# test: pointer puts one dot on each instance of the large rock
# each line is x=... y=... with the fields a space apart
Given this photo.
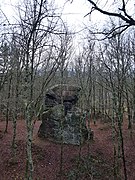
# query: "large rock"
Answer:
x=62 y=94
x=62 y=121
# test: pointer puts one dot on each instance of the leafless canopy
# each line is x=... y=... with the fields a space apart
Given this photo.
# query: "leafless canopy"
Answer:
x=121 y=13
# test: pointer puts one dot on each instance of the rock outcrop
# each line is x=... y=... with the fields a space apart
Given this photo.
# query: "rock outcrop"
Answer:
x=62 y=121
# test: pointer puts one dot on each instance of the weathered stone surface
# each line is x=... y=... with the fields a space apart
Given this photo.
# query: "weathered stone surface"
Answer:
x=62 y=94
x=62 y=121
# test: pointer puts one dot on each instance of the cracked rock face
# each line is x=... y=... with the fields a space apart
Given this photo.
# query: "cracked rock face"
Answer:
x=62 y=121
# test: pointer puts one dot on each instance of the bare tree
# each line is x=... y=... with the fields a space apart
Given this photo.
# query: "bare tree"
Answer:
x=6 y=77
x=37 y=22
x=64 y=54
x=121 y=11
x=117 y=65
x=84 y=67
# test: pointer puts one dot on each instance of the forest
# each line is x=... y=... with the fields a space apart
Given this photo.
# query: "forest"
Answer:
x=39 y=51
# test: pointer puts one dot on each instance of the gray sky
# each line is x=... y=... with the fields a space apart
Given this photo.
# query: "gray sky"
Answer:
x=73 y=12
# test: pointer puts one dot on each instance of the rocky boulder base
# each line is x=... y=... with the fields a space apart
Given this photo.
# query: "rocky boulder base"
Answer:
x=62 y=120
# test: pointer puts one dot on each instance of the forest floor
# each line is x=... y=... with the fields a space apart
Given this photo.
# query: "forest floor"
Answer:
x=46 y=155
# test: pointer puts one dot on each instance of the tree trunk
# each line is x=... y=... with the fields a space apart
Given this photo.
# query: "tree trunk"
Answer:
x=7 y=108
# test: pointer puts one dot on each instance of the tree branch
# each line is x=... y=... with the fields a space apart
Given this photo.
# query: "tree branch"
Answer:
x=128 y=19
